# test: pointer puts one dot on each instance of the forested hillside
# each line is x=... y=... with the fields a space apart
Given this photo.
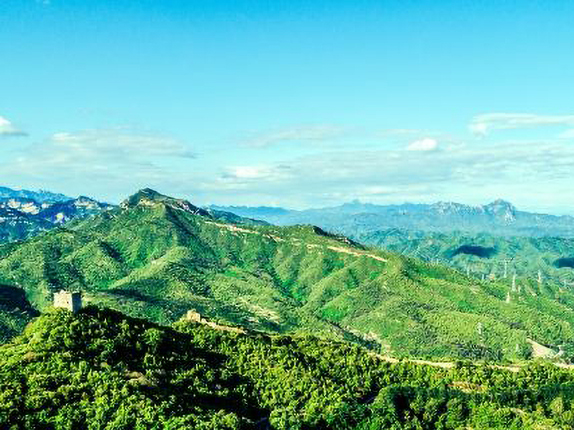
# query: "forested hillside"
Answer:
x=101 y=370
x=549 y=260
x=157 y=257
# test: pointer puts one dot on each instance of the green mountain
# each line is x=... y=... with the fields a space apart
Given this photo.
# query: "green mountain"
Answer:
x=99 y=369
x=157 y=257
x=544 y=259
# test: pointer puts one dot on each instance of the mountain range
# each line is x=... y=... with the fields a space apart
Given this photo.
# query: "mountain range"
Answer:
x=41 y=196
x=499 y=218
x=25 y=213
x=157 y=258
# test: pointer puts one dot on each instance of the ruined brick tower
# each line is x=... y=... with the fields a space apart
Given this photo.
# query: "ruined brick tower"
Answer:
x=68 y=300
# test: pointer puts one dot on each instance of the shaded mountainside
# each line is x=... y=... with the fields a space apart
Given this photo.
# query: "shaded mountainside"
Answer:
x=483 y=254
x=157 y=257
x=101 y=369
x=356 y=219
x=16 y=225
x=15 y=312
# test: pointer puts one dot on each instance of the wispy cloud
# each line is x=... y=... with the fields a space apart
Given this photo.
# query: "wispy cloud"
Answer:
x=426 y=144
x=481 y=125
x=115 y=144
x=8 y=129
x=312 y=133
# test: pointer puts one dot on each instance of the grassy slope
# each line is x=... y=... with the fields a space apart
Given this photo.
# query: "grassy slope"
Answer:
x=154 y=261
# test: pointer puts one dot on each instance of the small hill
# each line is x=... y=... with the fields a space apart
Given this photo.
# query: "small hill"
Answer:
x=156 y=257
x=102 y=369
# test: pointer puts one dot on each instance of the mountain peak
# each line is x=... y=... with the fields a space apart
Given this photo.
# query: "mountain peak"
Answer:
x=150 y=197
x=502 y=208
x=501 y=205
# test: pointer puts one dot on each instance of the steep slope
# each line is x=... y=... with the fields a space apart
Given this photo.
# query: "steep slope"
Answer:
x=355 y=219
x=157 y=257
x=100 y=369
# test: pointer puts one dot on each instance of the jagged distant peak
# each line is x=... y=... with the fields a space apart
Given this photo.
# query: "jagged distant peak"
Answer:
x=85 y=198
x=502 y=204
x=502 y=208
x=448 y=206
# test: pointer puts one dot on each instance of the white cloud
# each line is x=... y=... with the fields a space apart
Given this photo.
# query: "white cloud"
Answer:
x=481 y=125
x=426 y=144
x=8 y=129
x=314 y=133
x=247 y=172
x=115 y=144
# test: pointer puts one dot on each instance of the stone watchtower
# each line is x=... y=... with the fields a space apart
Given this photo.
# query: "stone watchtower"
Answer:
x=68 y=300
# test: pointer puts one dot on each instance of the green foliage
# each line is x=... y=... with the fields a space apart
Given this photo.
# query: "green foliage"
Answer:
x=483 y=254
x=99 y=369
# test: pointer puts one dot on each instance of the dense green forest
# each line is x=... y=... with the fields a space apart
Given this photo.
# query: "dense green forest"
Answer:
x=157 y=257
x=99 y=369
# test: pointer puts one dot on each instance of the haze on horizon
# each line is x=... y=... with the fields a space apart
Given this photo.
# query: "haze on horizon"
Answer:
x=290 y=103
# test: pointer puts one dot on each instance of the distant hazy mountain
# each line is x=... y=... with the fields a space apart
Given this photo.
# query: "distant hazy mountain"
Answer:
x=61 y=212
x=355 y=218
x=40 y=196
x=16 y=225
x=25 y=213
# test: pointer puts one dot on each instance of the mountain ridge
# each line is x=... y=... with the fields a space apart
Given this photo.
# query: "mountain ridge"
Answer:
x=159 y=261
x=498 y=217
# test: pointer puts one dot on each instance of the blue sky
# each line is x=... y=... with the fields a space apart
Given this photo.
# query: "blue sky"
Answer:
x=300 y=104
